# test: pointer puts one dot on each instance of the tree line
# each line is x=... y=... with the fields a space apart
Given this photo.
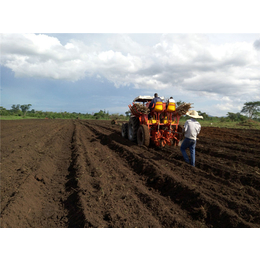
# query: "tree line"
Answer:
x=250 y=110
x=24 y=111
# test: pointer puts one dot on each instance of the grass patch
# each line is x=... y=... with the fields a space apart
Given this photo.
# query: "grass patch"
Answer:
x=248 y=124
x=239 y=125
x=15 y=117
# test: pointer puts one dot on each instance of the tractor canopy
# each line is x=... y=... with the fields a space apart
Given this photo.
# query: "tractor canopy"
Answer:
x=145 y=99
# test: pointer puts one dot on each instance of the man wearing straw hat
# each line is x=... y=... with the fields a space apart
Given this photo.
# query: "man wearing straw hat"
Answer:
x=191 y=129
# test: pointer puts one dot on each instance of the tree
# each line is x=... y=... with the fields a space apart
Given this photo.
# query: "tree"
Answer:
x=25 y=108
x=15 y=108
x=180 y=102
x=204 y=114
x=3 y=111
x=232 y=116
x=257 y=116
x=128 y=113
x=251 y=108
x=101 y=114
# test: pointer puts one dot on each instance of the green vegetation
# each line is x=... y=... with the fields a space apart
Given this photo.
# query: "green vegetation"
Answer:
x=25 y=108
x=232 y=120
x=14 y=117
x=252 y=109
x=226 y=123
x=247 y=124
x=23 y=112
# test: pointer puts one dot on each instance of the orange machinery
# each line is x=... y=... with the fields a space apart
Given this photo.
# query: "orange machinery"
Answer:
x=160 y=126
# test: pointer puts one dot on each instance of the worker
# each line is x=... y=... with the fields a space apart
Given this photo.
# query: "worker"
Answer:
x=170 y=100
x=153 y=102
x=191 y=129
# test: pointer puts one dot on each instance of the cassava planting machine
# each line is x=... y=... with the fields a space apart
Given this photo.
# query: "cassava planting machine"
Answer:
x=159 y=126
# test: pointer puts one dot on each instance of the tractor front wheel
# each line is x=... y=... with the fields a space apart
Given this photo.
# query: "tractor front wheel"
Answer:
x=143 y=135
x=133 y=125
x=124 y=130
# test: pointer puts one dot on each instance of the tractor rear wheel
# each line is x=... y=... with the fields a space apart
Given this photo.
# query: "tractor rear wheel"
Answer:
x=143 y=135
x=124 y=130
x=132 y=128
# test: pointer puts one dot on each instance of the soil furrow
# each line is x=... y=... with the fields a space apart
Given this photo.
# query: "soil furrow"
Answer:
x=38 y=184
x=155 y=176
x=107 y=169
x=80 y=173
x=76 y=217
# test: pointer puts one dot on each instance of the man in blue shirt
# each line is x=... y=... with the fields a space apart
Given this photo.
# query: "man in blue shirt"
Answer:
x=154 y=100
x=152 y=104
x=191 y=129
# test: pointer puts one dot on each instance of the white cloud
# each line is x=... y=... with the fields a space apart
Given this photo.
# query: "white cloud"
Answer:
x=185 y=63
x=257 y=44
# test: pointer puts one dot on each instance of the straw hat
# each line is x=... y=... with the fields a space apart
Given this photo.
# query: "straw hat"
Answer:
x=193 y=114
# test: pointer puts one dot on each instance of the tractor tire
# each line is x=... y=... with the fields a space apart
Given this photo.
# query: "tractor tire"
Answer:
x=124 y=130
x=133 y=125
x=143 y=135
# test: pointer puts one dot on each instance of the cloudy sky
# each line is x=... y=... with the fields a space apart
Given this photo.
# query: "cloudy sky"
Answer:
x=86 y=72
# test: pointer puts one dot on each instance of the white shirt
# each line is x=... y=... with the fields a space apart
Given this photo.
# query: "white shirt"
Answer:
x=171 y=100
x=192 y=128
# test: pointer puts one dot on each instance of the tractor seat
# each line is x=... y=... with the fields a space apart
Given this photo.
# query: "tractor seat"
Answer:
x=158 y=107
x=171 y=107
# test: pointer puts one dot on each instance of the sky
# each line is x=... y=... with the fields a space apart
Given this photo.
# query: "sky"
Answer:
x=91 y=71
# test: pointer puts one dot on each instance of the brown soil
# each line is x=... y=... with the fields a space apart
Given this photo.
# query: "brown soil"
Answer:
x=78 y=173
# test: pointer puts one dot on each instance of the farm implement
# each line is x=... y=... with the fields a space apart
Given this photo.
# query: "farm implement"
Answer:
x=159 y=126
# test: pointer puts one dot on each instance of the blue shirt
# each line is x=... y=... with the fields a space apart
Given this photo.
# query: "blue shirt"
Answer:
x=154 y=100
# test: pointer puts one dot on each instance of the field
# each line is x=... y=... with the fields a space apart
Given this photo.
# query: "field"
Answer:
x=82 y=173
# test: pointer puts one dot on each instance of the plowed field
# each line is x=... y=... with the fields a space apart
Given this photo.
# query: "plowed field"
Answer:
x=78 y=173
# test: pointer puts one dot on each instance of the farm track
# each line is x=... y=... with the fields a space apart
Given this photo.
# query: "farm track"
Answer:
x=78 y=173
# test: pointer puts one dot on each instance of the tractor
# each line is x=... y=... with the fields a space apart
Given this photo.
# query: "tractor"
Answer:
x=159 y=126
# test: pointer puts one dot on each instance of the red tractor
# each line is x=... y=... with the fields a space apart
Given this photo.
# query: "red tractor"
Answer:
x=160 y=125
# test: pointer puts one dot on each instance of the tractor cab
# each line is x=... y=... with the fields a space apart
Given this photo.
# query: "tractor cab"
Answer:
x=145 y=99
